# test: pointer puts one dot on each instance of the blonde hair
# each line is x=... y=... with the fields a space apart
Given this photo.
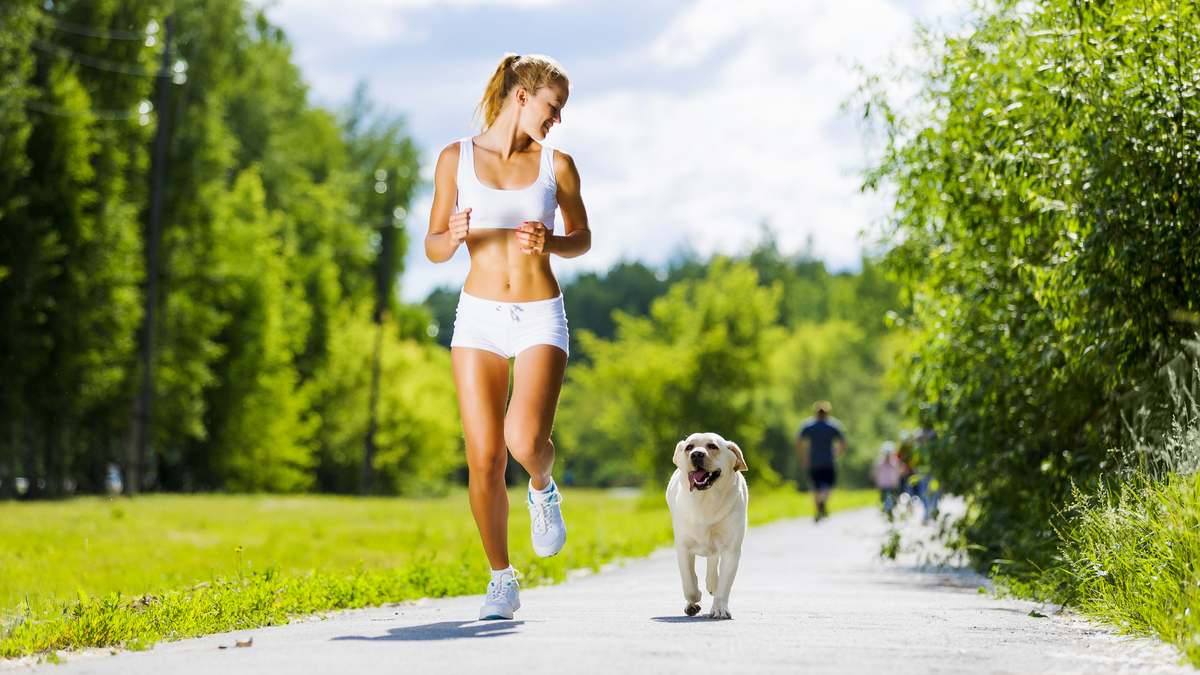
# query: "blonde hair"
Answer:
x=532 y=72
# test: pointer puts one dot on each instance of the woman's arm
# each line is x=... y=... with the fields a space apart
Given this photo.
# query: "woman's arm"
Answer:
x=576 y=238
x=447 y=230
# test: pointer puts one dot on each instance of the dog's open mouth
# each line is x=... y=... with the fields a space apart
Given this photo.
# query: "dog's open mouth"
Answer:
x=702 y=480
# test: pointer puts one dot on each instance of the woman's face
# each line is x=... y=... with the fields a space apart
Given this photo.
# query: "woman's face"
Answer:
x=543 y=110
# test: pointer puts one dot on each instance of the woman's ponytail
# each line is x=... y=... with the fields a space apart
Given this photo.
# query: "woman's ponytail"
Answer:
x=532 y=72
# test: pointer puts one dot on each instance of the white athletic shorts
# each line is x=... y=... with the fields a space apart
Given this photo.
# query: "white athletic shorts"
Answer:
x=508 y=328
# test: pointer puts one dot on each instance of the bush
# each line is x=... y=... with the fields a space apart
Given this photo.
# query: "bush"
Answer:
x=1045 y=220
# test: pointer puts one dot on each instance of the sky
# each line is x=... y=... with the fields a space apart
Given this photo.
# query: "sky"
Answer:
x=692 y=122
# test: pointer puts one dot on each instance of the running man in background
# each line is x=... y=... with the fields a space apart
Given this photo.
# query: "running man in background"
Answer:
x=815 y=441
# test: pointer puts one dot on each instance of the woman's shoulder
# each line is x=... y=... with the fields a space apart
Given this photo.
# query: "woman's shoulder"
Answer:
x=452 y=150
x=564 y=167
x=447 y=164
x=562 y=159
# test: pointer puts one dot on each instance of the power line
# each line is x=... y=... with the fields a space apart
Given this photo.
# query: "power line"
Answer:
x=94 y=61
x=51 y=109
x=91 y=31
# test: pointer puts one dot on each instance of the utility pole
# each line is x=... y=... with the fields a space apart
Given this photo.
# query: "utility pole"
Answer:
x=135 y=465
x=384 y=273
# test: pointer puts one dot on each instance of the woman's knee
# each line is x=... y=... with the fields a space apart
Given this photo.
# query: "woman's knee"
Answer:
x=525 y=444
x=488 y=468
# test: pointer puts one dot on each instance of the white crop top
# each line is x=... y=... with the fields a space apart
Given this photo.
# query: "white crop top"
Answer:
x=506 y=209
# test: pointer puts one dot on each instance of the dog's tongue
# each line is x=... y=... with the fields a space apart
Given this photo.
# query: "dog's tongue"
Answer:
x=694 y=476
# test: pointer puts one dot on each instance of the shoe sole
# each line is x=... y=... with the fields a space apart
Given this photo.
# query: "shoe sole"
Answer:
x=498 y=617
x=552 y=551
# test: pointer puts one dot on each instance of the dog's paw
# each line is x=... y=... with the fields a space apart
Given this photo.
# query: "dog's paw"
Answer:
x=691 y=609
x=719 y=612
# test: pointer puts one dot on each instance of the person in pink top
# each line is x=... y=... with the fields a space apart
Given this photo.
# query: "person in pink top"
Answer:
x=888 y=472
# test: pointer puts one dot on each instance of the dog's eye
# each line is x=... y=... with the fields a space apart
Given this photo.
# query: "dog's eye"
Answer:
x=689 y=447
x=712 y=446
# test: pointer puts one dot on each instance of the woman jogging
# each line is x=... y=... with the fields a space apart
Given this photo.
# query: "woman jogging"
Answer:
x=497 y=193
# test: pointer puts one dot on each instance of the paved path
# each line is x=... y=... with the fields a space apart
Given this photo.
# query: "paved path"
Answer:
x=808 y=599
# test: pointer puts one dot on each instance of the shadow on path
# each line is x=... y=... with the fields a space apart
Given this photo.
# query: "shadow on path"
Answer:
x=444 y=630
x=681 y=619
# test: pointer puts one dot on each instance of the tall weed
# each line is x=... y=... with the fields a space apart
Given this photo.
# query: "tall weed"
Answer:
x=1133 y=554
x=1135 y=559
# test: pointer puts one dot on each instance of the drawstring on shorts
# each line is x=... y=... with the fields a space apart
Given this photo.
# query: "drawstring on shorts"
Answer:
x=513 y=312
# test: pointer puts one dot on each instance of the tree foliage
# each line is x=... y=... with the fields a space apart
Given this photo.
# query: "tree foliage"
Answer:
x=1046 y=223
x=271 y=226
x=695 y=360
x=741 y=347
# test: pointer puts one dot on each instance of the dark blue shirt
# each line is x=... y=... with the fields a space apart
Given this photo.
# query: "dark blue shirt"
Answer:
x=820 y=435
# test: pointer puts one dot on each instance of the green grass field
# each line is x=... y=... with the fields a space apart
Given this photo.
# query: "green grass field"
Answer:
x=106 y=572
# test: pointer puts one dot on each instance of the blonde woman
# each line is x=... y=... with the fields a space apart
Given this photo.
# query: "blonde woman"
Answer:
x=497 y=193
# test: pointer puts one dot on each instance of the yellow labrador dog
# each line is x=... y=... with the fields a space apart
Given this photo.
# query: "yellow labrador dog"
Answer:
x=708 y=499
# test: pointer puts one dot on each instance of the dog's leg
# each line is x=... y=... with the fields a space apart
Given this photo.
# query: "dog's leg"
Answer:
x=691 y=591
x=710 y=579
x=729 y=565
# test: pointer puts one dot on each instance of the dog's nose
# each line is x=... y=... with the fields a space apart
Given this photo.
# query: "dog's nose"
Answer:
x=697 y=456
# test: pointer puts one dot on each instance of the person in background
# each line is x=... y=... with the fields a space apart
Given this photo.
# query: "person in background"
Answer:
x=927 y=488
x=905 y=452
x=887 y=472
x=820 y=441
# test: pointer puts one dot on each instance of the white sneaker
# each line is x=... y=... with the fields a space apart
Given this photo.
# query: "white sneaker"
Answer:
x=503 y=598
x=547 y=528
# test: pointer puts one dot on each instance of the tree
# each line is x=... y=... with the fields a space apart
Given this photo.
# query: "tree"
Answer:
x=70 y=246
x=271 y=252
x=694 y=364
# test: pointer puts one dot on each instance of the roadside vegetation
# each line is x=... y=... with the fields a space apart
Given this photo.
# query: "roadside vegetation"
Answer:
x=1046 y=228
x=127 y=573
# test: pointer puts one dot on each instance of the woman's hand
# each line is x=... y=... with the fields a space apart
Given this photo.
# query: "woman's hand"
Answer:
x=460 y=226
x=533 y=238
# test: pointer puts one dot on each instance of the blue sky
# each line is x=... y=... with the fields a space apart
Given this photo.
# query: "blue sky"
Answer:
x=691 y=121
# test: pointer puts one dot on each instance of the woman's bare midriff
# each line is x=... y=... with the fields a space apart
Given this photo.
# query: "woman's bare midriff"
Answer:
x=500 y=271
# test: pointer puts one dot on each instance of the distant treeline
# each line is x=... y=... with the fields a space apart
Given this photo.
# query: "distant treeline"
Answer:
x=276 y=215
x=742 y=347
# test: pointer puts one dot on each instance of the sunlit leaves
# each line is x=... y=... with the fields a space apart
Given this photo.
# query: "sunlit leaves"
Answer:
x=1046 y=219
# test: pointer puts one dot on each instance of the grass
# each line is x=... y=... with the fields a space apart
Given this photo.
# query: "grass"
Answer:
x=1134 y=559
x=99 y=572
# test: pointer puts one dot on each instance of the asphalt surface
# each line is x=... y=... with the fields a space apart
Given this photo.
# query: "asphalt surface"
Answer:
x=809 y=598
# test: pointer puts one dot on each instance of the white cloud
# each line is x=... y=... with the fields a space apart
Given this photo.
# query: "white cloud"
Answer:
x=363 y=23
x=758 y=138
x=690 y=132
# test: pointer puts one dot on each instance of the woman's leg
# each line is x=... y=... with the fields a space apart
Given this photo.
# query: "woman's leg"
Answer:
x=481 y=378
x=537 y=381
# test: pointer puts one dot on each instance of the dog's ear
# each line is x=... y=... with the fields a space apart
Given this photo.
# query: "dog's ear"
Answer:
x=740 y=464
x=678 y=457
